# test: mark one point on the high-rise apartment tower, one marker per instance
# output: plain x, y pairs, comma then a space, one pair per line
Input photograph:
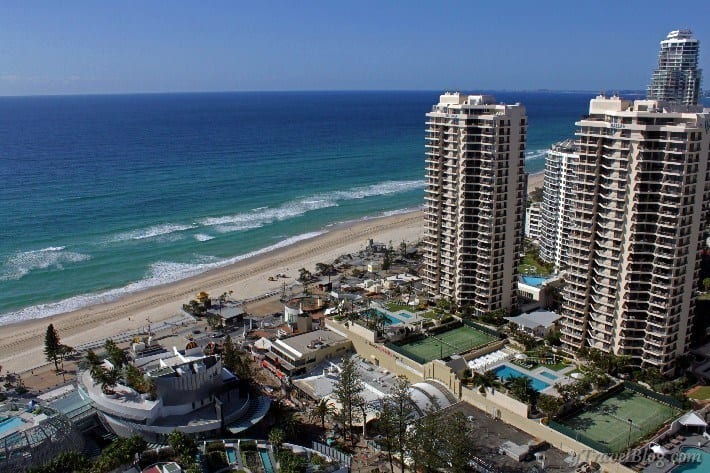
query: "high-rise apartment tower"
555, 215
677, 78
474, 200
639, 201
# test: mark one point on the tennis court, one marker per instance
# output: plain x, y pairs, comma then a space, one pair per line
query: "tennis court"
445, 344
608, 423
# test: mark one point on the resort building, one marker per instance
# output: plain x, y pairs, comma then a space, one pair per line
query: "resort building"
532, 221
193, 392
474, 200
298, 354
678, 77
555, 212
634, 247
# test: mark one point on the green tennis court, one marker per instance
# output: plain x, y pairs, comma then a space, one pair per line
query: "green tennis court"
608, 423
445, 344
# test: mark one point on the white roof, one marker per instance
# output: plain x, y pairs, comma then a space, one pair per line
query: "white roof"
539, 318
693, 420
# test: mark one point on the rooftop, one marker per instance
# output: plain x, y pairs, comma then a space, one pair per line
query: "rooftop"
543, 318
309, 342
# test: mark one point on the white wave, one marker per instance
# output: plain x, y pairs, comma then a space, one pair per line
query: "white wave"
535, 154
152, 232
158, 274
203, 237
23, 262
295, 208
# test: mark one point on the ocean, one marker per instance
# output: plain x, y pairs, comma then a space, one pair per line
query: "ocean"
107, 195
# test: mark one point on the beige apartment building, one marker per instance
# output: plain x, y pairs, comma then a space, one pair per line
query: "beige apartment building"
639, 203
474, 200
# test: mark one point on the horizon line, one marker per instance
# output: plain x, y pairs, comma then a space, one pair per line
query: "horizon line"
285, 91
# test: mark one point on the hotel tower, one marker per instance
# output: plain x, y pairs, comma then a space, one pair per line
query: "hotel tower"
474, 200
555, 216
638, 205
677, 78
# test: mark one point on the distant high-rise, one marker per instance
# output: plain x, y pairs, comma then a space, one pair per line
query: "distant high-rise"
555, 213
677, 78
474, 198
638, 205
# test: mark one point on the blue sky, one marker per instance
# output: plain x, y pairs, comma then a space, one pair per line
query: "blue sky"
162, 46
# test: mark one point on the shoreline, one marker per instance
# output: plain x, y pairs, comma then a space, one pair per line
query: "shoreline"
21, 341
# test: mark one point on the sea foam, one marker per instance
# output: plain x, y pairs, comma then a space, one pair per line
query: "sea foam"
158, 274
151, 232
261, 216
53, 257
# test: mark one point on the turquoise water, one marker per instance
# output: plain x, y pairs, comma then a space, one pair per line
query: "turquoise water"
9, 424
231, 454
506, 372
534, 281
703, 465
266, 460
108, 195
548, 375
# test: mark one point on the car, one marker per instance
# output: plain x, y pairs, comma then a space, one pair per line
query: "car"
216, 335
197, 332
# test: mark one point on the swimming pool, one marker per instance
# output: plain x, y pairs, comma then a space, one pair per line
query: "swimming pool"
506, 372
391, 319
535, 281
268, 467
9, 424
231, 455
548, 375
696, 460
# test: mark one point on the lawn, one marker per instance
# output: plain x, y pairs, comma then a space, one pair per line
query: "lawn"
396, 307
530, 265
702, 393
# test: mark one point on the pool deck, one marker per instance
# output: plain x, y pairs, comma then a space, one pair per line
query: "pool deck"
536, 373
405, 317
675, 446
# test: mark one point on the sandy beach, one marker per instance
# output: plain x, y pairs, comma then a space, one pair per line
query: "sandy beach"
21, 344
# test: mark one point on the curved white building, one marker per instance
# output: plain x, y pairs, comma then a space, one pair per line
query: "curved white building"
194, 394
678, 77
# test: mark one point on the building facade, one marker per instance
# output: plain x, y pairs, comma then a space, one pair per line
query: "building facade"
474, 200
532, 221
640, 188
677, 78
555, 211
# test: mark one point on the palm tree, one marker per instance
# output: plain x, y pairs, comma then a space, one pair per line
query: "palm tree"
109, 379
485, 381
276, 438
521, 388
322, 410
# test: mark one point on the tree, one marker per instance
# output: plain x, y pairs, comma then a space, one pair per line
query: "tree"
706, 284
348, 391
121, 452
236, 360
550, 405
458, 448
395, 414
521, 388
304, 276
116, 356
291, 463
52, 346
425, 442
276, 438
485, 381
322, 410
184, 446
108, 379
70, 461
94, 363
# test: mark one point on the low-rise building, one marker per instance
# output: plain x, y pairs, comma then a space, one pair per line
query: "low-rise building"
538, 323
296, 355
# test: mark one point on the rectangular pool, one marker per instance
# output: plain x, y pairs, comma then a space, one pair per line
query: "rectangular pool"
266, 461
231, 455
506, 372
10, 424
548, 375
